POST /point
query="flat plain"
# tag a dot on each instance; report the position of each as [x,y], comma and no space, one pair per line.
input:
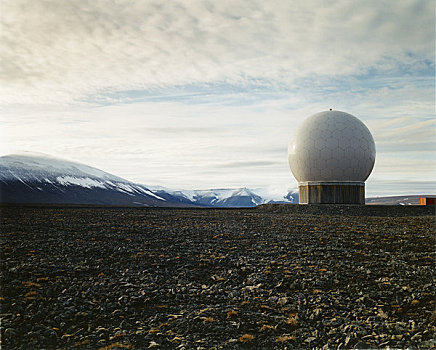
[280,277]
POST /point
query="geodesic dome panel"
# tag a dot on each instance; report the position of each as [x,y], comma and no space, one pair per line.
[332,146]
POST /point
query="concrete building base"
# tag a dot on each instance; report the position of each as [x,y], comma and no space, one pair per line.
[314,192]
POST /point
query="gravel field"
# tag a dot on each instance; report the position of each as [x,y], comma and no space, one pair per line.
[278,276]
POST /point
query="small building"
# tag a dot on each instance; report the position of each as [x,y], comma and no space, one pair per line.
[427,200]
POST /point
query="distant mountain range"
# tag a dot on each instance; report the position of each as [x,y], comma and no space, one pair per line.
[396,200]
[240,197]
[39,178]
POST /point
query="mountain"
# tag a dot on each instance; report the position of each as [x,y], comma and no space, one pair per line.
[39,178]
[226,198]
[396,200]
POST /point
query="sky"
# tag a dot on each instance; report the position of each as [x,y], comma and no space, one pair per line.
[207,94]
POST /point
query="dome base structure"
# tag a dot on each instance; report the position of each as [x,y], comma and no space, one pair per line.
[327,192]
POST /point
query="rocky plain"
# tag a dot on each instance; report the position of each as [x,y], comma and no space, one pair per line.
[272,277]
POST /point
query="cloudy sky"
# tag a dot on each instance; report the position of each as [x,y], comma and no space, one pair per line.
[206,94]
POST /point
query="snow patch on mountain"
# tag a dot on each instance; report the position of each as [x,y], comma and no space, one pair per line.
[151,193]
[80,181]
[124,187]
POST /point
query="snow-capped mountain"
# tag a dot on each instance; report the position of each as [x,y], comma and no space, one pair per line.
[241,197]
[39,178]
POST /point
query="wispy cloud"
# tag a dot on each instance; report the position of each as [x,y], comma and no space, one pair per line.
[60,51]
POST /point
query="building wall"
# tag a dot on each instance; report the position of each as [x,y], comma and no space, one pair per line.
[332,193]
[428,201]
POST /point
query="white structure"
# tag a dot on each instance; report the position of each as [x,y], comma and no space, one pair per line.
[331,154]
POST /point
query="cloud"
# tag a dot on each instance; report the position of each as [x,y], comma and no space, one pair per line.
[178,145]
[201,94]
[181,130]
[55,51]
[247,164]
[403,187]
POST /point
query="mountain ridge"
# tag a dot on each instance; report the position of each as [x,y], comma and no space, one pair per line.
[40,178]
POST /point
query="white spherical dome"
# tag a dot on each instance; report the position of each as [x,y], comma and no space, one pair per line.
[332,146]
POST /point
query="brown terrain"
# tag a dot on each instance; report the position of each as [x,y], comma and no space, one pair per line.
[277,276]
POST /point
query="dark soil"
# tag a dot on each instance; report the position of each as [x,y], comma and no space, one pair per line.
[271,277]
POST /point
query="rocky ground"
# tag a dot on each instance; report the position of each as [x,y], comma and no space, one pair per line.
[271,277]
